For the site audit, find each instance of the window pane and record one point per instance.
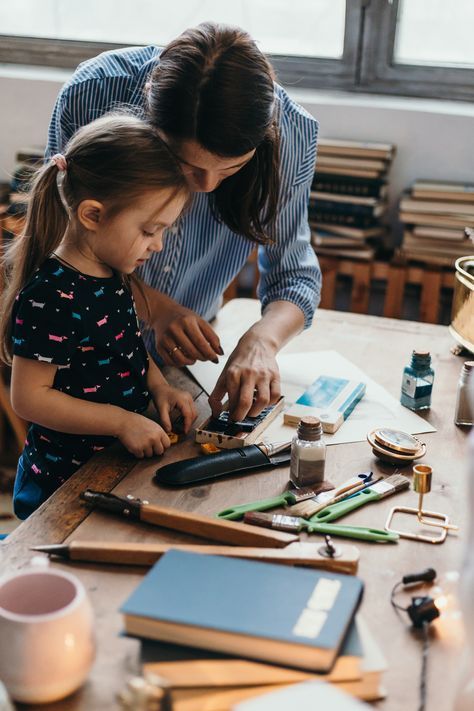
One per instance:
(435, 32)
(313, 28)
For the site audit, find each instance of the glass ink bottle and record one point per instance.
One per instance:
(463, 412)
(308, 453)
(417, 382)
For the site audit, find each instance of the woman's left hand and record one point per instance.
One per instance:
(166, 398)
(251, 379)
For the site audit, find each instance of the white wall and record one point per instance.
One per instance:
(435, 139)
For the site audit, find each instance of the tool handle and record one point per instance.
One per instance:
(341, 508)
(359, 532)
(230, 461)
(232, 532)
(236, 512)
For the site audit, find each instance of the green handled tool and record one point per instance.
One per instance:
(386, 487)
(294, 524)
(287, 498)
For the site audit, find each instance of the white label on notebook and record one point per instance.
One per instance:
(310, 623)
(324, 594)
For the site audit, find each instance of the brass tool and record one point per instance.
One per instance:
(422, 476)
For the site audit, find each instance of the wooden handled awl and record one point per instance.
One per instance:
(232, 532)
(313, 555)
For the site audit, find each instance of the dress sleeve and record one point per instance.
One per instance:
(45, 323)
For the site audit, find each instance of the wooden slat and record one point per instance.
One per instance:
(360, 288)
(329, 268)
(430, 293)
(393, 302)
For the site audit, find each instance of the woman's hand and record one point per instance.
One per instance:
(141, 436)
(183, 337)
(167, 398)
(251, 379)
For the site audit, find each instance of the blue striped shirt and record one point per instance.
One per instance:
(201, 256)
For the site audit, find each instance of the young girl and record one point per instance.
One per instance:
(80, 370)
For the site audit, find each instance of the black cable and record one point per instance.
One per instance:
(392, 596)
(424, 666)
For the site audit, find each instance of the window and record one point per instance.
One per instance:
(408, 47)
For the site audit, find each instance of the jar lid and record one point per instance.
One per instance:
(309, 428)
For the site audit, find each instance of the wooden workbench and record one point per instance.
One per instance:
(379, 346)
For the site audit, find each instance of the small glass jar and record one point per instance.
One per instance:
(464, 411)
(417, 382)
(308, 453)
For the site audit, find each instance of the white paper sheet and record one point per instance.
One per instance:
(298, 370)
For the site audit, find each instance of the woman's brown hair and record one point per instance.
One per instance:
(213, 85)
(114, 160)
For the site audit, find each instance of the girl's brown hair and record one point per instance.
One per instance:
(114, 160)
(213, 85)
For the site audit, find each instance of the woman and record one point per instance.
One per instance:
(248, 153)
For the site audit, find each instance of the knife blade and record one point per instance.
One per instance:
(244, 460)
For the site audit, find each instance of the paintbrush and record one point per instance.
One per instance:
(280, 522)
(386, 487)
(307, 509)
(291, 496)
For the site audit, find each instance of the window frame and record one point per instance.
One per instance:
(366, 64)
(379, 74)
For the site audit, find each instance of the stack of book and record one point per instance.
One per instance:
(438, 218)
(348, 197)
(14, 195)
(220, 630)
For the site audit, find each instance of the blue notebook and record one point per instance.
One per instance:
(290, 616)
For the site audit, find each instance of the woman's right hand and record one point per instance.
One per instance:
(141, 436)
(183, 337)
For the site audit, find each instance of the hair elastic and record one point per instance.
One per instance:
(60, 162)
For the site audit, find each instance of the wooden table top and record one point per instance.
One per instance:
(381, 347)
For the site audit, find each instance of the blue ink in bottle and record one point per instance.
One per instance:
(417, 382)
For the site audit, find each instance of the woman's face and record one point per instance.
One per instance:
(205, 171)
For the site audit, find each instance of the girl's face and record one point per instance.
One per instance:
(129, 238)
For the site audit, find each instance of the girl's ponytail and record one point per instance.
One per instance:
(46, 222)
(113, 160)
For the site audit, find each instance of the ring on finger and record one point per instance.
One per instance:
(173, 350)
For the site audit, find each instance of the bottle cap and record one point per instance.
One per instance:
(310, 429)
(468, 365)
(421, 354)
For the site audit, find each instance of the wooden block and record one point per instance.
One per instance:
(238, 438)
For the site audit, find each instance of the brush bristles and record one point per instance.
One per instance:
(305, 509)
(398, 481)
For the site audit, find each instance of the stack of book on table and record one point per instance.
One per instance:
(14, 195)
(348, 197)
(438, 218)
(221, 630)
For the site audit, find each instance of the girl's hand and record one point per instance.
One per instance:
(141, 436)
(166, 398)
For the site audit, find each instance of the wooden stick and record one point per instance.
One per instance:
(232, 532)
(146, 554)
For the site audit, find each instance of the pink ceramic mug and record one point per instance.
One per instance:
(47, 633)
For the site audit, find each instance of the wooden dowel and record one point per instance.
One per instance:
(146, 554)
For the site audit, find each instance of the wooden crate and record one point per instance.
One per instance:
(396, 276)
